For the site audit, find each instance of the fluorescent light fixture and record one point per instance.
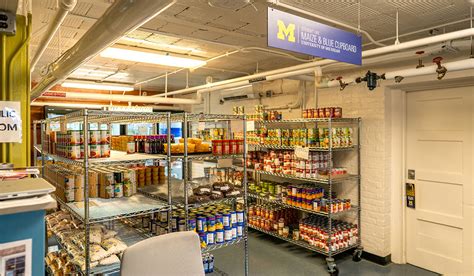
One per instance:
(97, 86)
(147, 57)
(161, 45)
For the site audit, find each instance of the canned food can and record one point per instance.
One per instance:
(220, 236)
(104, 137)
(211, 224)
(75, 137)
(181, 226)
(226, 220)
(240, 230)
(163, 216)
(192, 224)
(201, 224)
(219, 223)
(234, 232)
(174, 223)
(109, 191)
(211, 237)
(94, 151)
(105, 150)
(203, 238)
(228, 234)
(233, 218)
(94, 136)
(240, 216)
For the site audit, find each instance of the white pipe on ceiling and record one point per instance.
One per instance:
(122, 17)
(65, 6)
(116, 98)
(368, 53)
(459, 65)
(298, 10)
(94, 106)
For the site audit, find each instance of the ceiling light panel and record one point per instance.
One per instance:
(152, 58)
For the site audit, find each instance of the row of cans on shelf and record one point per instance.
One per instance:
(76, 137)
(75, 152)
(110, 182)
(323, 112)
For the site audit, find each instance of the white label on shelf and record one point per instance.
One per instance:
(224, 163)
(201, 126)
(250, 125)
(10, 122)
(302, 153)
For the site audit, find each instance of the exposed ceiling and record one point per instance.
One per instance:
(194, 28)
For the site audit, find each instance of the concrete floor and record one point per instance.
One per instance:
(272, 257)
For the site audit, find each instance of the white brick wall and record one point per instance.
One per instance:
(356, 101)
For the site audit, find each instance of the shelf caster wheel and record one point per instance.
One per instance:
(357, 255)
(332, 269)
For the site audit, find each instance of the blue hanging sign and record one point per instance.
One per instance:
(290, 32)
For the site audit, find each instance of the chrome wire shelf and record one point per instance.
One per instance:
(179, 117)
(125, 233)
(104, 116)
(310, 120)
(153, 191)
(312, 180)
(102, 210)
(319, 213)
(222, 245)
(293, 148)
(208, 156)
(305, 244)
(116, 158)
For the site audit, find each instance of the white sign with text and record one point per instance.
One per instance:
(10, 122)
(302, 153)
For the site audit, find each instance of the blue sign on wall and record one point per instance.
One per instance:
(290, 32)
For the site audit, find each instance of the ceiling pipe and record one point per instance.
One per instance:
(365, 54)
(292, 8)
(122, 17)
(65, 6)
(117, 98)
(95, 106)
(460, 65)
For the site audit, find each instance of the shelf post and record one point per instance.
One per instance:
(245, 196)
(86, 190)
(359, 237)
(168, 161)
(185, 168)
(330, 188)
(35, 142)
(43, 132)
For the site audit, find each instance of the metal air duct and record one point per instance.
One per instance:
(122, 17)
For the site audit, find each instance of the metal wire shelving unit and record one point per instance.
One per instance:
(330, 180)
(187, 119)
(108, 210)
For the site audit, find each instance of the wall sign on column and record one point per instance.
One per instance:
(10, 122)
(410, 192)
(290, 32)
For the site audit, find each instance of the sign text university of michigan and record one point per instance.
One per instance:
(294, 33)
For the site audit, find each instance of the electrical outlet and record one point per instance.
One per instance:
(7, 23)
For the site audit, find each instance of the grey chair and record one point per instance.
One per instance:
(168, 255)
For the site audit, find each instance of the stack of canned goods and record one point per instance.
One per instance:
(323, 112)
(215, 223)
(314, 230)
(278, 161)
(306, 137)
(70, 144)
(273, 218)
(208, 263)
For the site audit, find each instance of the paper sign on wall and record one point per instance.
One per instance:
(250, 125)
(302, 153)
(10, 122)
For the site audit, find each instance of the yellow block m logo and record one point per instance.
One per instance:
(286, 32)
